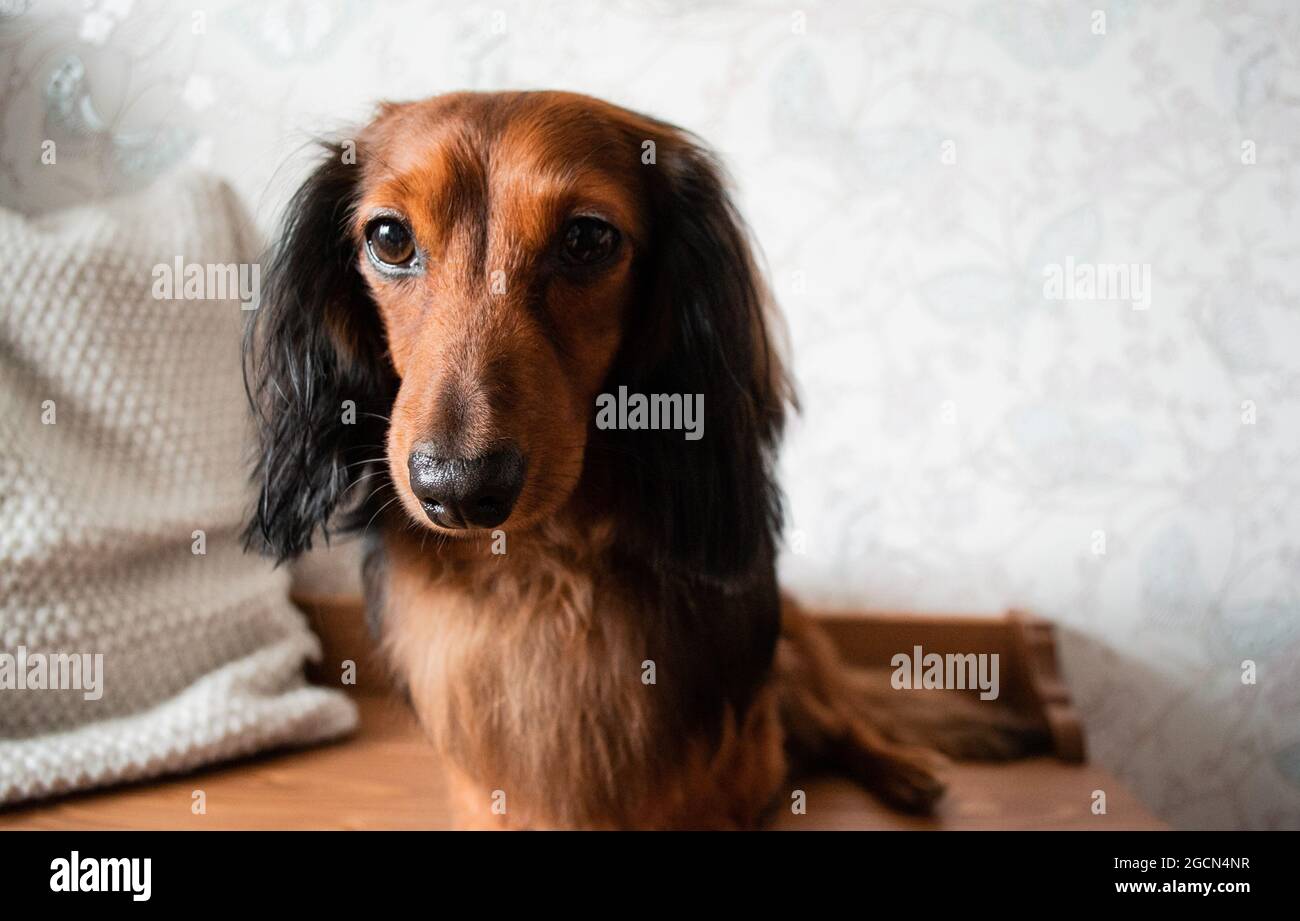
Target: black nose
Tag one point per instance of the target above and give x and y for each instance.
(460, 492)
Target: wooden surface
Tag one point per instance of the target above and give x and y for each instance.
(381, 779)
(1025, 647)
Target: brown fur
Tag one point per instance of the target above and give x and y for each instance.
(526, 668)
(527, 676)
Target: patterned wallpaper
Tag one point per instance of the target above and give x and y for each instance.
(1038, 259)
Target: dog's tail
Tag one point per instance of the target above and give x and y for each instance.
(853, 722)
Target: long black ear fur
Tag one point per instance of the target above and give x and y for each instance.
(708, 509)
(314, 343)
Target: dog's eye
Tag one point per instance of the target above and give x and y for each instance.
(390, 242)
(588, 241)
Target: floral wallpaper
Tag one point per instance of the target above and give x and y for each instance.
(1038, 259)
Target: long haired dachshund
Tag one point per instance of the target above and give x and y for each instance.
(586, 618)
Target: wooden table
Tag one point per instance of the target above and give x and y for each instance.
(383, 778)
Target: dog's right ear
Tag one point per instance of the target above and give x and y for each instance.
(316, 370)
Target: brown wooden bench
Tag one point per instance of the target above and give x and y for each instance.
(382, 777)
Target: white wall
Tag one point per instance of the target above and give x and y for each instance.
(964, 437)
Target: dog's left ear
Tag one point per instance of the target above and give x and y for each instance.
(706, 508)
(317, 372)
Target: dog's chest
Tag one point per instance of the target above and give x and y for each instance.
(539, 681)
(574, 690)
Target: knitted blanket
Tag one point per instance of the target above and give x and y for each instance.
(136, 639)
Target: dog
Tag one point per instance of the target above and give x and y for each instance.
(586, 618)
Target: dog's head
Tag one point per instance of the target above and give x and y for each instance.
(453, 290)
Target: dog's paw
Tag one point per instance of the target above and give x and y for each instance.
(912, 785)
(906, 777)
